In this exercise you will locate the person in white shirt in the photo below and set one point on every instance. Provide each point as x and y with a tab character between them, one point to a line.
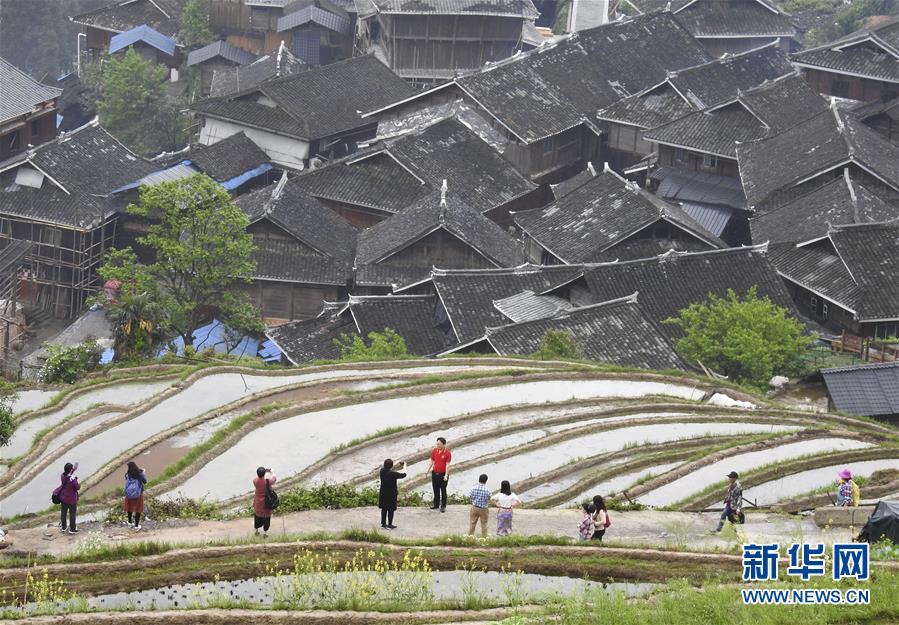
505	500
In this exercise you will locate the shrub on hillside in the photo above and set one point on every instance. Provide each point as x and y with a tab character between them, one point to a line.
67	364
386	345
557	345
7	418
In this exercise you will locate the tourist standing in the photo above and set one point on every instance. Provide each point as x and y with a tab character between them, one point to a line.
480	502
733	501
600	518
847	491
388	493
438	467
68	497
135	480
262	516
505	500
586	528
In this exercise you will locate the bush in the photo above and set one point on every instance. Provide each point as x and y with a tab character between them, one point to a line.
67	364
7	418
386	345
336	496
557	345
177	508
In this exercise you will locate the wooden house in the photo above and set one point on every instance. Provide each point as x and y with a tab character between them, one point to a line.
278	64
430	41
846	279
863	65
58	196
101	25
304	252
864	390
318	31
440	230
544	102
217	56
28	111
149	44
310	114
606	218
728	26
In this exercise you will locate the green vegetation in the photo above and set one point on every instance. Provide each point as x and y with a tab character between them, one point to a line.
133	105
67	364
849	17
195	30
748	339
7	418
176	508
386	345
335	496
557	345
821	6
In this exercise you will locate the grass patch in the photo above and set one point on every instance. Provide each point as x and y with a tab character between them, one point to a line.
364	439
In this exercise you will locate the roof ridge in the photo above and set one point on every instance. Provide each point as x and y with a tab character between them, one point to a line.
676	254
564	313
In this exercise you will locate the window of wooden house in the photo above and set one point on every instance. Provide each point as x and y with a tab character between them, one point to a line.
14	142
886	330
51	236
825	311
680	155
259	17
613	136
709	161
839	88
813	303
35	128
5	228
548	145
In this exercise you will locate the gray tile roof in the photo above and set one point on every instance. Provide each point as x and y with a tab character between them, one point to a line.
864	390
840	201
818	268
509	8
615	332
220	49
161	15
528	306
869	52
383	240
653	108
693	186
717	19
607	210
320	12
278	64
784	102
673	281
20	93
85	165
314	104
410	316
228	158
827	140
313	339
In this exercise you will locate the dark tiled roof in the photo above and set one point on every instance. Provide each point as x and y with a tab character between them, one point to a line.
88	163
317	103
228	158
838	202
376	182
818	268
819	144
236	79
313	339
328	242
565	187
469	295
613	332
510	8
784	102
410	316
869	52
383	240
866	110
864	390
605	211
871	252
713	132
695	186
220	49
320	12
161	15
647	110
673	281
720	19
20	93
528	306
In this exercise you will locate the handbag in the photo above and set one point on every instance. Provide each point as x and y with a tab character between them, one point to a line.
608	522
271	497
54	496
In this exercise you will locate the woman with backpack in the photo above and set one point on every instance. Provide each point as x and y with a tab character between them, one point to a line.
135	480
601	520
67	493
262	515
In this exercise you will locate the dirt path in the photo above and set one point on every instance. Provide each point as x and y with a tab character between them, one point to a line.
637	528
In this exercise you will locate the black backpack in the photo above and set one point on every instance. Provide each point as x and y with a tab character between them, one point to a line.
271	497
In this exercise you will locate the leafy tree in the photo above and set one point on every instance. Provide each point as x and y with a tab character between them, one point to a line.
134	108
67	364
749	339
557	345
195	25
7	418
202	252
386	345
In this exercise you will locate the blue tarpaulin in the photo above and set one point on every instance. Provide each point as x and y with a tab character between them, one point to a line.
221	338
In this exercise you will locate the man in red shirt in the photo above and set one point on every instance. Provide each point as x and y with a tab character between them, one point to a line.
439	470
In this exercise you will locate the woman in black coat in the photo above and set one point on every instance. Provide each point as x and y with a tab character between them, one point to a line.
388	493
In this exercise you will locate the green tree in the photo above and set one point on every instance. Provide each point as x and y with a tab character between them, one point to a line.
202	254
195	25
557	345
748	339
134	108
386	345
7	418
67	364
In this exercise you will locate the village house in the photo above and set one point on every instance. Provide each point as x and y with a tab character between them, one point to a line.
864	390
846	279
217	56
781	167
58	196
728	27
609	218
439	230
297	118
393	174
319	31
863	65
278	64
98	27
882	116
150	44
429	41
682	92
28	111
544	102
304	252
